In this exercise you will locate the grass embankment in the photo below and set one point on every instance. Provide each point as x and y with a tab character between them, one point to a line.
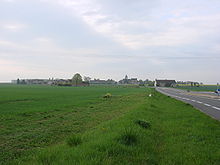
160	130
55	125
210	88
34	117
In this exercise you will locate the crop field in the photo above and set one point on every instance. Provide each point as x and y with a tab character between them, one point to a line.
210	88
76	125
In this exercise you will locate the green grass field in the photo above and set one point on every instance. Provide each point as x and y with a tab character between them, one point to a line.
210	88
67	125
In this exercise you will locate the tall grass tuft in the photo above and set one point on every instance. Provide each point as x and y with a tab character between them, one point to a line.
47	157
128	137
143	123
74	140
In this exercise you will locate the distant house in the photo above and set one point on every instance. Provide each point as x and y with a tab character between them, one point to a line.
33	81
85	84
36	81
102	82
189	83
126	80
165	83
14	81
134	81
62	82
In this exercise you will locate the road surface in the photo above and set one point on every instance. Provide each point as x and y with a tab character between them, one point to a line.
207	102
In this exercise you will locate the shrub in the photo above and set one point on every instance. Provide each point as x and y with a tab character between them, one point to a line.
187	104
128	137
74	140
153	106
107	95
143	123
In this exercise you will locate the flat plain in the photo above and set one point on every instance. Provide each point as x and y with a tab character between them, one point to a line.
76	125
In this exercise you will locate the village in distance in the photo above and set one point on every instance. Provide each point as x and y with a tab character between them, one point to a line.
78	80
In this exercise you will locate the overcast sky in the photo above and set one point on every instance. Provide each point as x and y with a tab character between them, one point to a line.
147	39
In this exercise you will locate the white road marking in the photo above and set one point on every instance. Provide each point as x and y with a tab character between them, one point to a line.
216	108
208	105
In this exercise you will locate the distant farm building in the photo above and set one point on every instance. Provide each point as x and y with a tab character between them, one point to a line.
165	83
126	80
102	82
33	81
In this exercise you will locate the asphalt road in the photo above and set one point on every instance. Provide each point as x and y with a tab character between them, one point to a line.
207	102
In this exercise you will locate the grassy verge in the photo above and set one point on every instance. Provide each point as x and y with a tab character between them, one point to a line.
159	130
